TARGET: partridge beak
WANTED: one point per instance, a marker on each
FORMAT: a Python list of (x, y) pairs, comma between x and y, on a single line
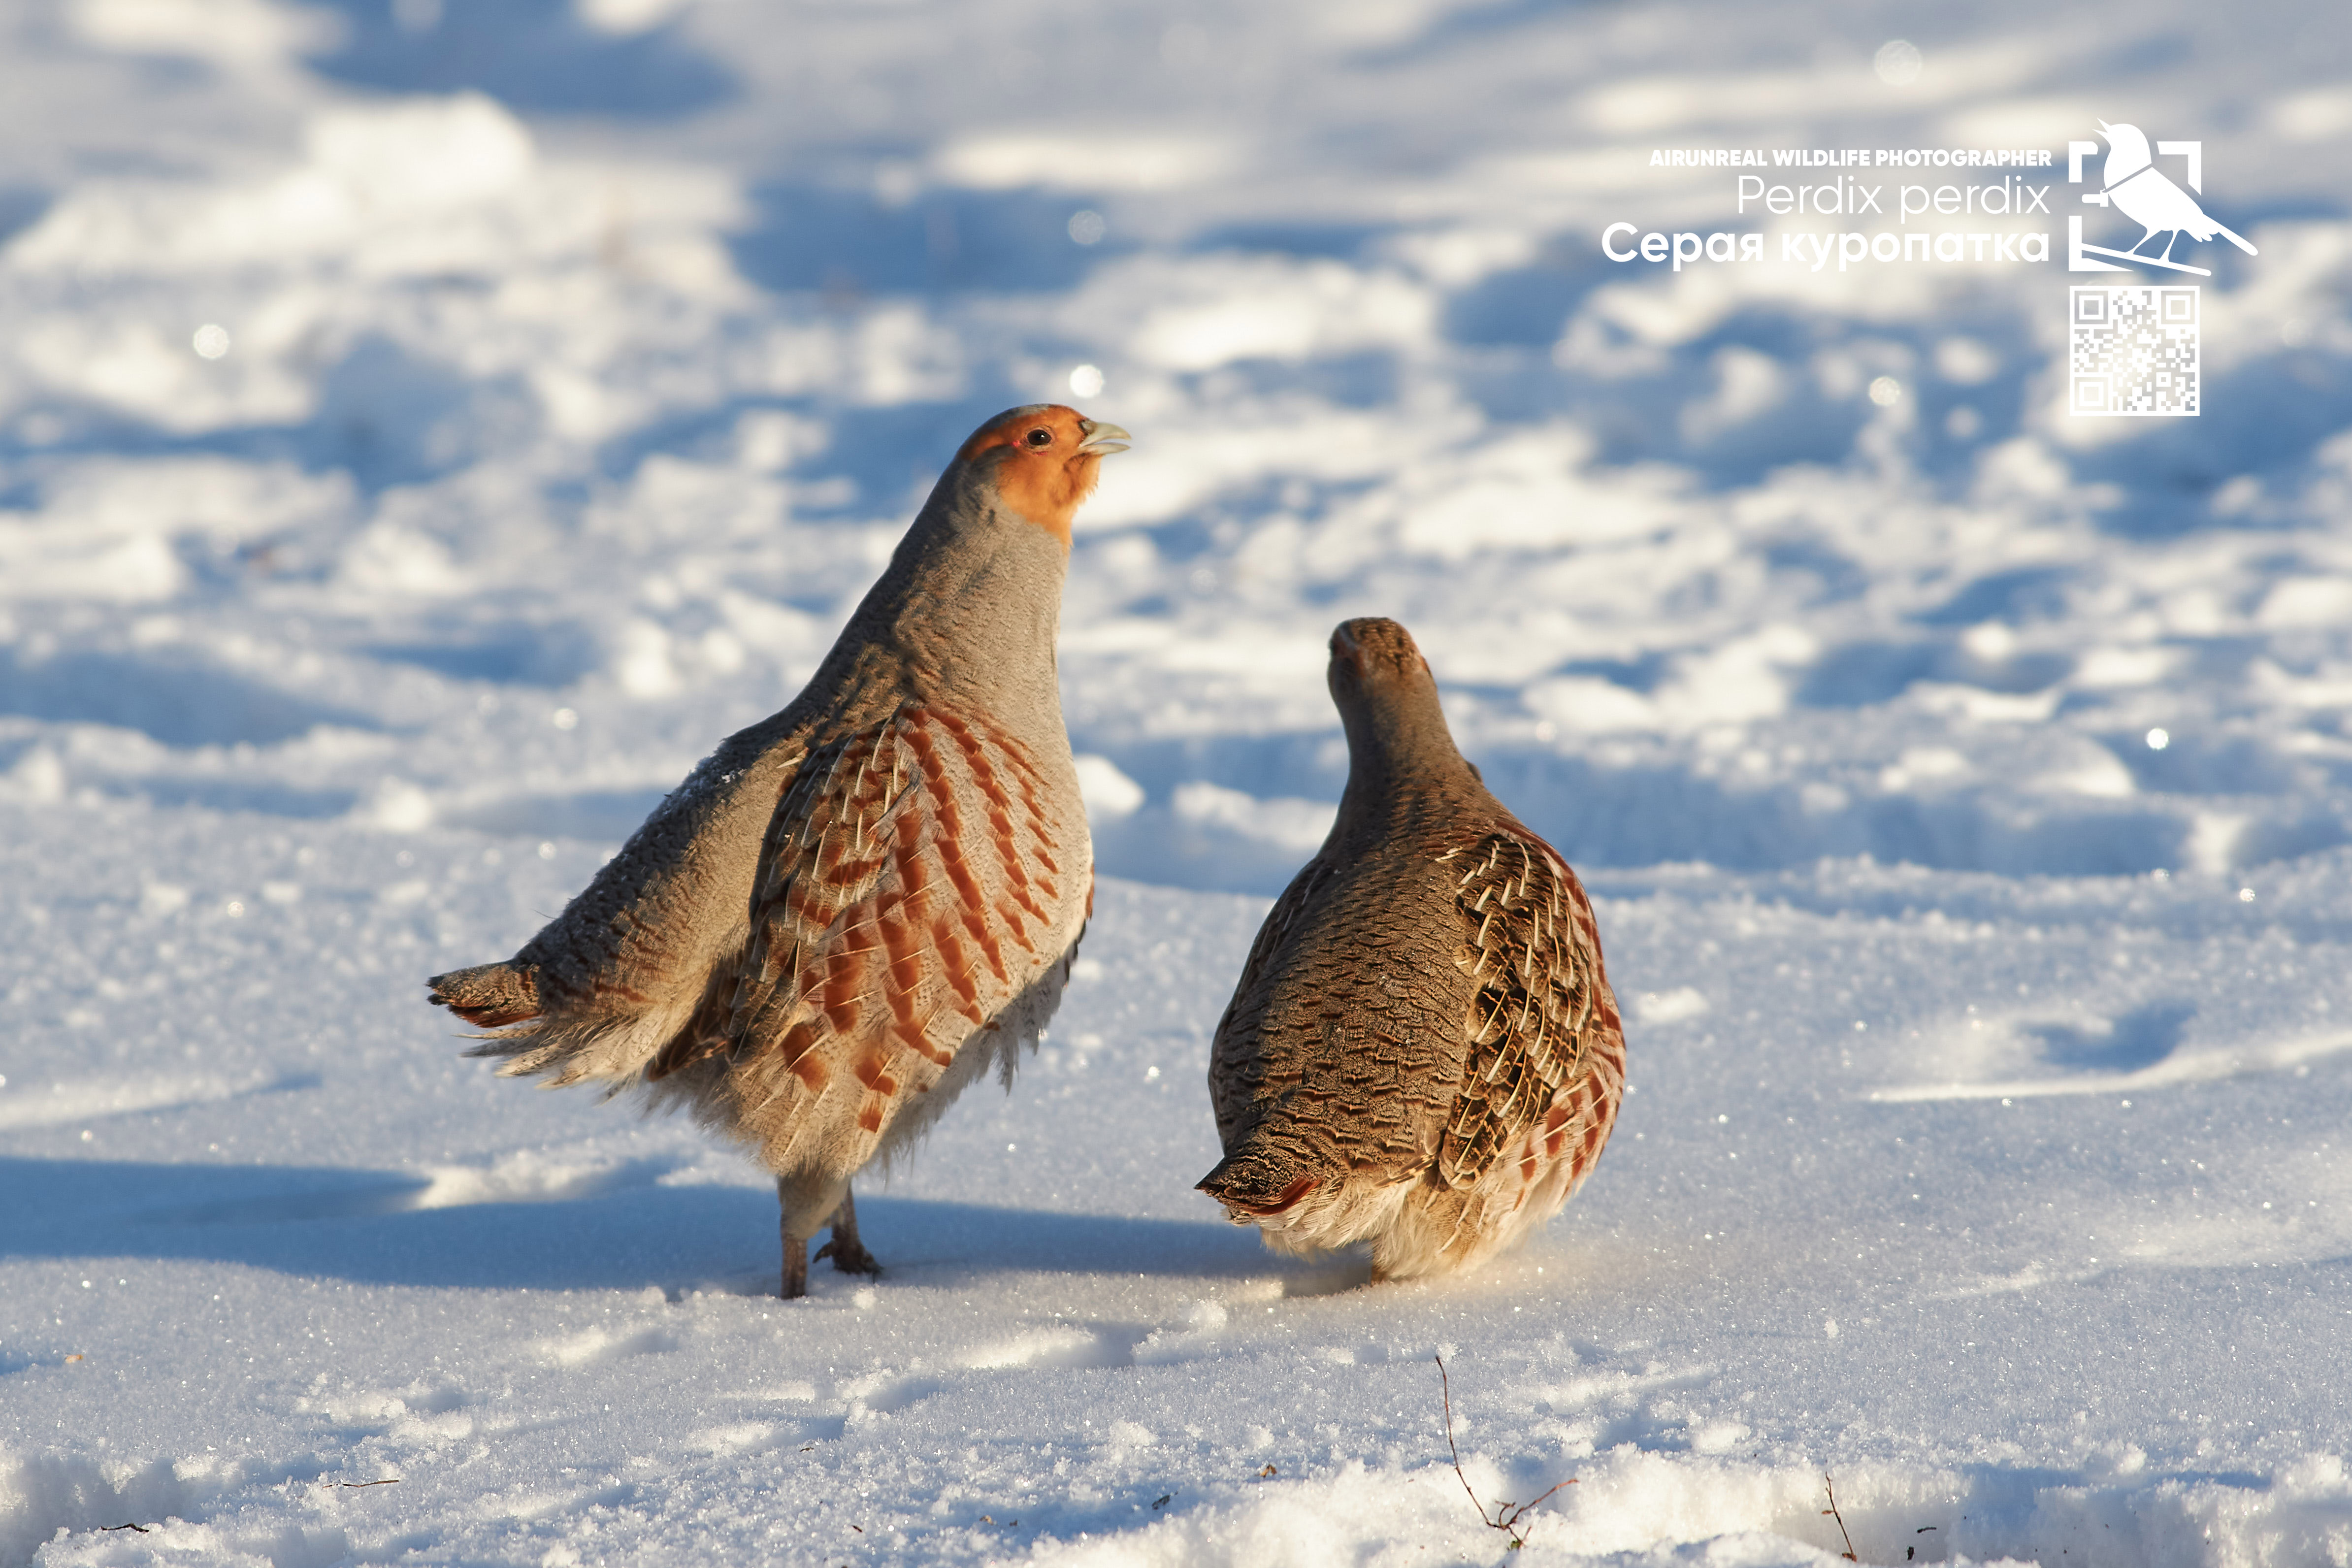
[(1102, 440)]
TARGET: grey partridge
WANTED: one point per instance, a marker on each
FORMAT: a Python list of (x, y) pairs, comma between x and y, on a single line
[(850, 910), (1422, 1051)]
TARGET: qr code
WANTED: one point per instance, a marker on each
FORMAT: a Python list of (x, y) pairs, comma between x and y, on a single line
[(2132, 351)]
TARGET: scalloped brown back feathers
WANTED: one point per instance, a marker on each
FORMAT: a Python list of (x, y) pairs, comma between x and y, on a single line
[(1422, 1051)]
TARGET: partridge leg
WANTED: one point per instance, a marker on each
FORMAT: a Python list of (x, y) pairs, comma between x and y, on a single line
[(847, 1253), (808, 1199), (796, 1248)]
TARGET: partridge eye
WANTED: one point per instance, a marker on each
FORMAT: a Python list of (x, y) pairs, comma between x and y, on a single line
[(1039, 437)]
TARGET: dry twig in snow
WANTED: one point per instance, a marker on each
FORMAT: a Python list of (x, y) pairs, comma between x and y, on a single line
[(1505, 1516), (1833, 1511)]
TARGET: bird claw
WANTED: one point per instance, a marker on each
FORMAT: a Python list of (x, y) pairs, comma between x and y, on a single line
[(852, 1258)]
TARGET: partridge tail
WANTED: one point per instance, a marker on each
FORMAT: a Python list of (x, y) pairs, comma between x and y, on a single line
[(489, 996), (1257, 1182), (2237, 239)]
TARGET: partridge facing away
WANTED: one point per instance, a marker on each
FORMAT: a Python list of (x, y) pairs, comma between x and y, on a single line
[(1422, 1051), (848, 911)]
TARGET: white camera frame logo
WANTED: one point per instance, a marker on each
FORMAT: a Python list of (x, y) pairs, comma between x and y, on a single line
[(2134, 188)]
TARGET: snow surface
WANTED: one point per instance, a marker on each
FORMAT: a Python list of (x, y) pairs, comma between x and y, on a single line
[(572, 369)]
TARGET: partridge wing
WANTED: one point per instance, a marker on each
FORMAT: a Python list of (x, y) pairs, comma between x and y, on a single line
[(1546, 1052), (907, 894), (1237, 1055)]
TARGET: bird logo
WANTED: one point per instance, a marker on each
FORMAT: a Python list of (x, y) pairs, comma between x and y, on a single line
[(2133, 185)]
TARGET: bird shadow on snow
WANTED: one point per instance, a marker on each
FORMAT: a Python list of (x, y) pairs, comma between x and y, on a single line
[(620, 1229)]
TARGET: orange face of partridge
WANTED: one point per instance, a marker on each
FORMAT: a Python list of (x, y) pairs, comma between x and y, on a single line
[(1044, 460)]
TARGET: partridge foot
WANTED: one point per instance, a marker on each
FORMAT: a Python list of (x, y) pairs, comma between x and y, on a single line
[(848, 1254)]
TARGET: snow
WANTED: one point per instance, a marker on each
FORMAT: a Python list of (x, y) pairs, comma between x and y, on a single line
[(424, 428)]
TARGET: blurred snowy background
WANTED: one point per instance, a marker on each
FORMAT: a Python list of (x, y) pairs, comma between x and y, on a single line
[(586, 361), (426, 426)]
